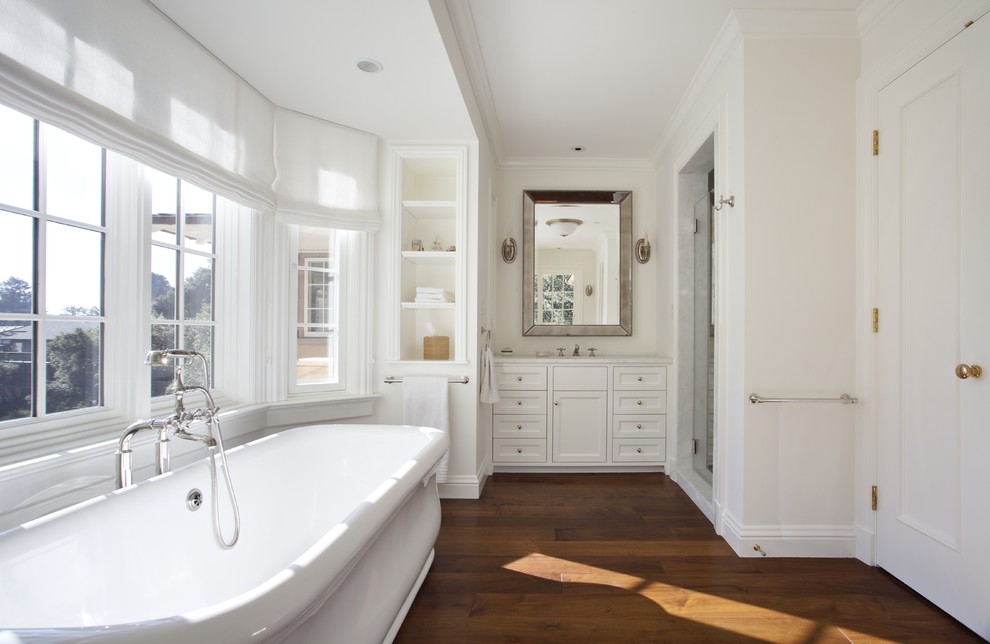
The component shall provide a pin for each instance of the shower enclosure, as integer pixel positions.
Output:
(697, 326)
(703, 357)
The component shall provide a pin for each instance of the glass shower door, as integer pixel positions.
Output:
(704, 339)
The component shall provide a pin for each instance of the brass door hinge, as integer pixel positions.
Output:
(873, 498)
(876, 142)
(876, 320)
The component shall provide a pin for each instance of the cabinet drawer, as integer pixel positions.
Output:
(633, 451)
(518, 426)
(639, 426)
(507, 450)
(521, 402)
(521, 377)
(639, 402)
(644, 377)
(581, 378)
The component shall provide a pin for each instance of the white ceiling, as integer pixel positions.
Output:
(548, 74)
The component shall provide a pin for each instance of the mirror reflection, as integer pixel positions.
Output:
(577, 267)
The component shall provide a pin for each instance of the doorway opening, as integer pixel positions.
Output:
(696, 325)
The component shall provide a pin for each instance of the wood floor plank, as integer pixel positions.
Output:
(628, 558)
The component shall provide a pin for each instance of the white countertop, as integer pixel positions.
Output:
(583, 359)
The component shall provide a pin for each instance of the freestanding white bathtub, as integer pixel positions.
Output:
(338, 524)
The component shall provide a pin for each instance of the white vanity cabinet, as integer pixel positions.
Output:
(554, 413)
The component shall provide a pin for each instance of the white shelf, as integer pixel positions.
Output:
(428, 257)
(431, 209)
(427, 305)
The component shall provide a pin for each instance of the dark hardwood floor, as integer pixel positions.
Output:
(628, 558)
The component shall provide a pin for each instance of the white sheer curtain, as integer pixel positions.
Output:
(326, 174)
(123, 76)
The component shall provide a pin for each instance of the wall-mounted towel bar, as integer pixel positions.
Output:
(844, 399)
(463, 380)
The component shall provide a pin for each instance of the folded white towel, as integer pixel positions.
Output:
(430, 289)
(434, 297)
(425, 404)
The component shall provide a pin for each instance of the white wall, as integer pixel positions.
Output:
(782, 106)
(651, 334)
(800, 286)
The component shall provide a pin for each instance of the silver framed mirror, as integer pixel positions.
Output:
(572, 240)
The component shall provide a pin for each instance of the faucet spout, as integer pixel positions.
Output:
(577, 351)
(123, 454)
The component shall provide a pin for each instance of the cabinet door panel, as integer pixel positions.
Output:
(652, 426)
(580, 378)
(639, 402)
(579, 426)
(519, 426)
(506, 450)
(644, 377)
(520, 377)
(521, 402)
(635, 451)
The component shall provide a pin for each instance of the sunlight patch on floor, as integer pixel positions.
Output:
(702, 608)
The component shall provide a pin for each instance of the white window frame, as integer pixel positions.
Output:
(39, 318)
(331, 277)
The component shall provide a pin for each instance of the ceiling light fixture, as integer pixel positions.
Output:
(370, 66)
(578, 148)
(564, 227)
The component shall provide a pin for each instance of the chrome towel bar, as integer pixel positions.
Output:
(463, 380)
(844, 399)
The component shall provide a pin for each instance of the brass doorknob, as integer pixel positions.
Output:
(964, 371)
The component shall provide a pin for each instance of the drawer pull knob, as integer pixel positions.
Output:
(639, 378)
(519, 427)
(639, 425)
(519, 378)
(639, 402)
(639, 450)
(518, 450)
(519, 402)
(556, 402)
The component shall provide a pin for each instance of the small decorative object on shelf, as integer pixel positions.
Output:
(642, 249)
(509, 250)
(417, 244)
(436, 347)
(437, 245)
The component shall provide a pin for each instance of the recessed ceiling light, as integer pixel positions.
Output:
(578, 148)
(369, 65)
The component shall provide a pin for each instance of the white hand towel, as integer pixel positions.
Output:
(425, 404)
(489, 387)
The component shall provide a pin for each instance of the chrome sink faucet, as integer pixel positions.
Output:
(577, 351)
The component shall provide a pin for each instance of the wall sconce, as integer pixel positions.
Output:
(642, 249)
(508, 249)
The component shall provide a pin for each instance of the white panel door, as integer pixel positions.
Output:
(933, 469)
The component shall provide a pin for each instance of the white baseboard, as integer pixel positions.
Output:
(465, 486)
(698, 490)
(788, 540)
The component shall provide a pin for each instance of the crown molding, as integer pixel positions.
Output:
(467, 39)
